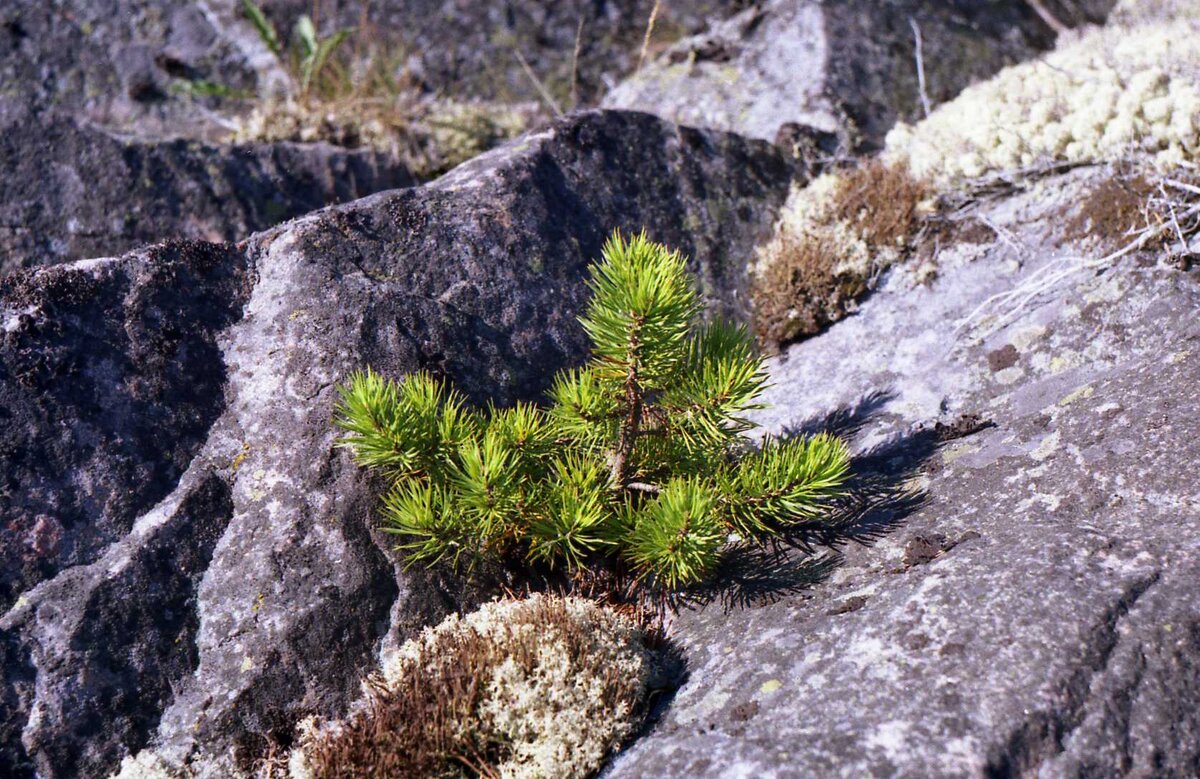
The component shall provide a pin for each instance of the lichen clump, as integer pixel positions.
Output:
(146, 765)
(430, 136)
(1107, 93)
(833, 238)
(522, 689)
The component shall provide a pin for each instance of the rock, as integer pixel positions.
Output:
(470, 49)
(74, 191)
(128, 63)
(848, 68)
(194, 564)
(110, 378)
(1033, 611)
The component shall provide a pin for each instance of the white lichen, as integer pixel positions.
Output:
(1104, 94)
(145, 765)
(557, 694)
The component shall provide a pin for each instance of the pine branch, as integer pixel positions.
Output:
(786, 483)
(677, 537)
(629, 427)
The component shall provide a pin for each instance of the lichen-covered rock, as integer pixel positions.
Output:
(1037, 613)
(208, 565)
(73, 191)
(849, 67)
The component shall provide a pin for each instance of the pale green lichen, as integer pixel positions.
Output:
(1103, 94)
(430, 136)
(145, 765)
(555, 685)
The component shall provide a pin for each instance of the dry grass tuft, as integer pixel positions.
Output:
(881, 200)
(833, 240)
(540, 687)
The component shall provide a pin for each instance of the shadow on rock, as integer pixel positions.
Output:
(879, 496)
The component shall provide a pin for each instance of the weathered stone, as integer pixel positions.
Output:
(846, 67)
(73, 191)
(110, 376)
(471, 49)
(126, 62)
(1036, 614)
(252, 589)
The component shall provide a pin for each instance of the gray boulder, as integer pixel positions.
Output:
(191, 563)
(474, 49)
(1032, 609)
(74, 191)
(848, 68)
(128, 63)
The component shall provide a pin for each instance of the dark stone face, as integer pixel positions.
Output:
(72, 191)
(171, 480)
(110, 378)
(116, 61)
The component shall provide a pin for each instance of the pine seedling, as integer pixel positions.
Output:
(639, 458)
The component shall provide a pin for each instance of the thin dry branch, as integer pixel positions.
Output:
(1009, 304)
(649, 32)
(916, 28)
(538, 85)
(575, 64)
(1050, 19)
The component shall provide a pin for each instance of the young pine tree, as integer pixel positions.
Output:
(640, 455)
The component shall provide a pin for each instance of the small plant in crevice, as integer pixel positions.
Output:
(639, 463)
(309, 58)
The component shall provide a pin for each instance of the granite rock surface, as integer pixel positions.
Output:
(190, 562)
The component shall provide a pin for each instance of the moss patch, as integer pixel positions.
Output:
(832, 241)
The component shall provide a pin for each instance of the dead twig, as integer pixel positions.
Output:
(575, 64)
(649, 32)
(920, 65)
(538, 85)
(1010, 303)
(1183, 247)
(1050, 19)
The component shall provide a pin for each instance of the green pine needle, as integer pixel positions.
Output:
(572, 525)
(786, 483)
(678, 537)
(404, 429)
(640, 455)
(642, 308)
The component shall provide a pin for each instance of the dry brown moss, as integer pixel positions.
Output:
(881, 200)
(545, 686)
(1113, 209)
(831, 243)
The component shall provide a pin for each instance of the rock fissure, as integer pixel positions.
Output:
(1044, 735)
